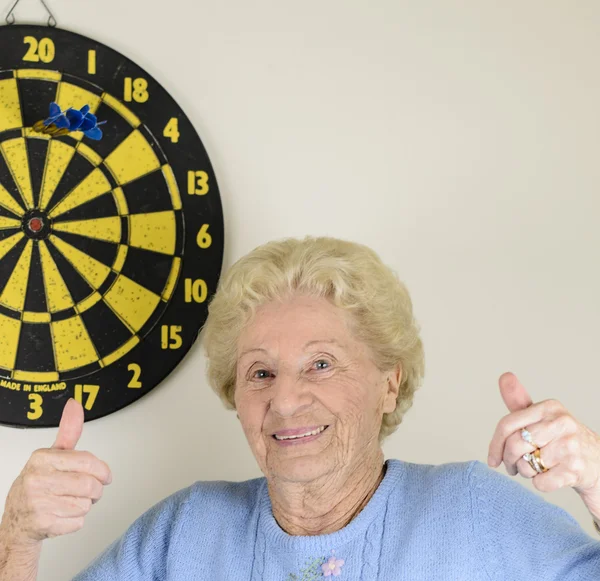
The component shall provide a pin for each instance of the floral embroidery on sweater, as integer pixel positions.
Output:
(319, 568)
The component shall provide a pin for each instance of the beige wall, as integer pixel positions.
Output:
(460, 139)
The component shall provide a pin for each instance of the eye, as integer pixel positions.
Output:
(322, 361)
(262, 371)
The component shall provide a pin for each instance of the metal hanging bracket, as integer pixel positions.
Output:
(10, 17)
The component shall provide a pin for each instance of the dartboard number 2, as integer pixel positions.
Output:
(137, 372)
(39, 51)
(136, 90)
(91, 390)
(170, 337)
(197, 183)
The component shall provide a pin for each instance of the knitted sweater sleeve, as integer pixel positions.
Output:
(141, 553)
(523, 536)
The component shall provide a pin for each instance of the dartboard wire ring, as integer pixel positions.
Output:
(116, 191)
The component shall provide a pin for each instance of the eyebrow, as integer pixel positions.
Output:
(331, 341)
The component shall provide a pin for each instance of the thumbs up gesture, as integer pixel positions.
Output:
(57, 487)
(569, 450)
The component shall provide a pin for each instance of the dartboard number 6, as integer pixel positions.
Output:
(204, 239)
(39, 51)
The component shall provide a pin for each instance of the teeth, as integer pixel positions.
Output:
(313, 433)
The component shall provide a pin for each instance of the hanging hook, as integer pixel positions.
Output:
(10, 17)
(51, 19)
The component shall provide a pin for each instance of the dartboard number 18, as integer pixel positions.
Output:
(111, 228)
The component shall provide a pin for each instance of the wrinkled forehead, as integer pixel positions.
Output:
(293, 329)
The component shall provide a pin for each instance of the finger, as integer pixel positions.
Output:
(70, 427)
(70, 506)
(542, 433)
(559, 477)
(513, 392)
(70, 484)
(517, 420)
(549, 435)
(514, 449)
(79, 461)
(524, 469)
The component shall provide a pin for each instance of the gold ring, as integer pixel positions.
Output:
(536, 453)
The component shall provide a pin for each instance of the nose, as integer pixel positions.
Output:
(289, 397)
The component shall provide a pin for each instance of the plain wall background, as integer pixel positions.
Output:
(459, 139)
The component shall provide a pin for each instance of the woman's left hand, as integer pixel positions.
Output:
(568, 448)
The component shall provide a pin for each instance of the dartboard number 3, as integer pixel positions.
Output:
(39, 51)
(197, 183)
(170, 337)
(91, 390)
(136, 90)
(36, 406)
(137, 372)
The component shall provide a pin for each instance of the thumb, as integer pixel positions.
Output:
(513, 393)
(70, 427)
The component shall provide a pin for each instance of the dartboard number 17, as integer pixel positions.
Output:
(111, 228)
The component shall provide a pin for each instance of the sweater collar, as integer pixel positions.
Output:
(375, 508)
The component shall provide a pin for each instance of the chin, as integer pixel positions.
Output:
(301, 469)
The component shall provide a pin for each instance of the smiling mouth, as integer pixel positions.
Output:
(311, 434)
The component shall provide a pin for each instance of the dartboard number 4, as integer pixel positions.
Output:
(172, 130)
(39, 51)
(170, 337)
(136, 90)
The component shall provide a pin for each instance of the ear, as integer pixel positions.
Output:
(394, 379)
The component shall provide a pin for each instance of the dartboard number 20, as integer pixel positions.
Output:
(111, 228)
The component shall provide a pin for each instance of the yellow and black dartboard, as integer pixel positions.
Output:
(111, 246)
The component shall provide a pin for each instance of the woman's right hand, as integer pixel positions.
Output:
(57, 487)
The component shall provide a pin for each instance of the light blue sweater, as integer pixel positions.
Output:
(460, 521)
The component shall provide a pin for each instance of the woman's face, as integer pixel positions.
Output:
(299, 368)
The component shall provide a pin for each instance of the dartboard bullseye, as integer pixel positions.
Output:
(111, 228)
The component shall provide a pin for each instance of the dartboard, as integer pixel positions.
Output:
(111, 247)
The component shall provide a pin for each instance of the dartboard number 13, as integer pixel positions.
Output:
(111, 228)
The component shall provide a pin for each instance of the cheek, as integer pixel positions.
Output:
(347, 402)
(252, 415)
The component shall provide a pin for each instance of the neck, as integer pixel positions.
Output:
(324, 507)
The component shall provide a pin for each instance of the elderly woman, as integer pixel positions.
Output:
(314, 343)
